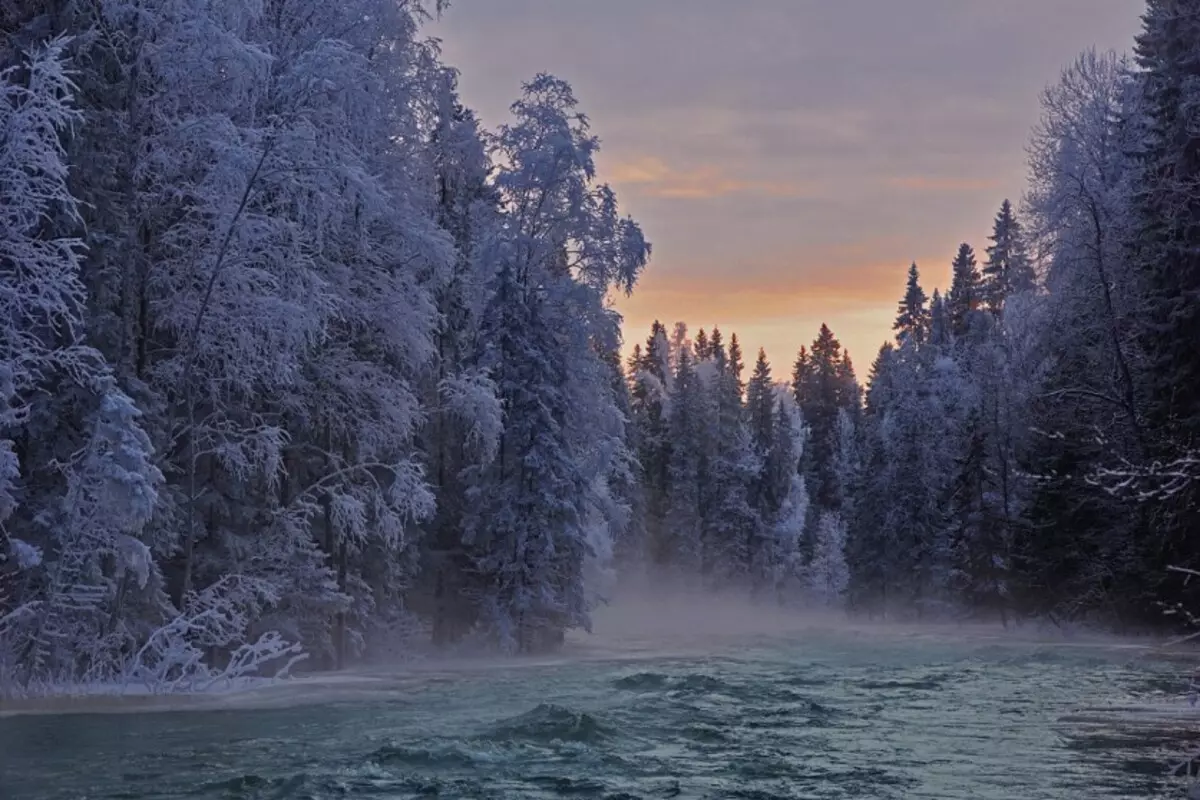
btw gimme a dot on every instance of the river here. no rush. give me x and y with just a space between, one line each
820 714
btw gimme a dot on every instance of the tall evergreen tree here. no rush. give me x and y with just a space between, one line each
826 384
966 291
800 369
939 322
651 385
1008 269
730 525
1166 254
912 318
736 364
680 544
1167 204
525 528
760 403
781 503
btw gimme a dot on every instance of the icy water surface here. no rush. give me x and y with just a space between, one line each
832 716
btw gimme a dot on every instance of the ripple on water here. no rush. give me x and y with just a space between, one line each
547 723
642 682
692 683
426 757
873 720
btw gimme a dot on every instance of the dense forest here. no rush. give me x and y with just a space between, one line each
299 361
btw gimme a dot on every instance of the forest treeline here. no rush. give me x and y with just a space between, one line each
1028 445
293 354
297 360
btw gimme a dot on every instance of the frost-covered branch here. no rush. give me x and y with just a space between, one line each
1156 481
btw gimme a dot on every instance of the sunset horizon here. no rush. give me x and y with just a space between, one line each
750 146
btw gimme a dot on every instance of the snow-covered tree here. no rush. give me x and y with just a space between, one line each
912 318
1008 269
651 382
680 544
782 500
1087 355
1166 256
828 576
78 581
731 528
824 382
543 501
966 291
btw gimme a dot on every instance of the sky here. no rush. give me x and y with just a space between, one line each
788 159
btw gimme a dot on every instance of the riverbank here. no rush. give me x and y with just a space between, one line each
630 631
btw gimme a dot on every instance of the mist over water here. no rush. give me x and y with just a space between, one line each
676 694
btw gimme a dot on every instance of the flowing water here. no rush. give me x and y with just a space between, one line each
819 715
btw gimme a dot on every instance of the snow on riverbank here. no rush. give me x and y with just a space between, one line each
246 693
617 639
643 625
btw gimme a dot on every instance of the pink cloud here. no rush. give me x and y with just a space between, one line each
653 177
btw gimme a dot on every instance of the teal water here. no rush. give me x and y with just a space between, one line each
826 717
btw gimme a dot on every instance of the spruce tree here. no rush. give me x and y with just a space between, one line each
1008 269
1166 254
912 318
966 291
800 370
760 403
939 322
703 349
680 544
1167 202
524 530
826 384
651 384
736 365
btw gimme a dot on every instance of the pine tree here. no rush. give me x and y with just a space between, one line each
680 546
736 365
525 527
1008 270
760 404
939 322
716 348
730 525
1166 255
782 502
912 318
546 515
828 574
651 387
966 291
800 370
826 384
879 380
1168 207
849 392
464 422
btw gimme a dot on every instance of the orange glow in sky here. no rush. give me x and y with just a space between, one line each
788 159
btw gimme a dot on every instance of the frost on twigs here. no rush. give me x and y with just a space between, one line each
1158 481
471 397
172 659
